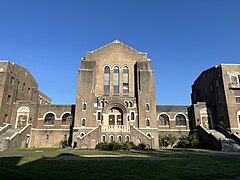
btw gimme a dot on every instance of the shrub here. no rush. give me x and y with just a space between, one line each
188 141
115 146
64 144
141 146
167 140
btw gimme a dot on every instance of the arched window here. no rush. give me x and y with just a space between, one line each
120 138
127 138
107 80
99 114
111 138
164 120
83 122
116 80
148 123
67 118
180 120
132 116
149 135
82 134
126 103
130 104
49 119
103 138
147 106
84 106
125 80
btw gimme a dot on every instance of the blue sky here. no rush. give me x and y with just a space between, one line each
182 37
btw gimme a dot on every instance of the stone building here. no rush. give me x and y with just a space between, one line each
115 101
215 109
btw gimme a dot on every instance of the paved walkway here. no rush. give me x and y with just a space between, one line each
27 153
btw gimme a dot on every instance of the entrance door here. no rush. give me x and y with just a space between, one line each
119 120
111 120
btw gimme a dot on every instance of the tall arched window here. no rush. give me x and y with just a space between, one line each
116 80
107 80
164 120
49 119
180 120
127 138
125 80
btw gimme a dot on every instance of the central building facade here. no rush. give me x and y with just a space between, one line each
115 98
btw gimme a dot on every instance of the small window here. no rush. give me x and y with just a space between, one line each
23 86
147 107
120 138
84 107
132 116
130 104
104 138
234 80
237 99
127 138
29 90
99 114
8 99
126 103
82 134
149 135
5 118
111 138
47 136
148 123
12 80
83 122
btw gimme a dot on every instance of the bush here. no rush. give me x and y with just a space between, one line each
141 146
167 140
64 144
188 141
115 146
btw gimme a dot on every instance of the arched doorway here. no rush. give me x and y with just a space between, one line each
206 118
22 117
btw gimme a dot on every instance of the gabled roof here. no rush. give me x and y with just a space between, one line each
118 42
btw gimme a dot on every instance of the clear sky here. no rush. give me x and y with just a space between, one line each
182 37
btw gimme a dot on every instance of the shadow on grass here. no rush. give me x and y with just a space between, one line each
73 166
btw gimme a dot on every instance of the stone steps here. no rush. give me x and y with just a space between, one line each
8 133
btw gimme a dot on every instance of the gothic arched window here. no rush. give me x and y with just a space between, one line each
107 80
125 80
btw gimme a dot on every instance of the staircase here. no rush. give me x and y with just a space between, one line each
226 143
7 134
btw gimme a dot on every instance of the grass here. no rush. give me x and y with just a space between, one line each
189 166
35 149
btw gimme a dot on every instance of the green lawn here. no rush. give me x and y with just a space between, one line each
183 166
